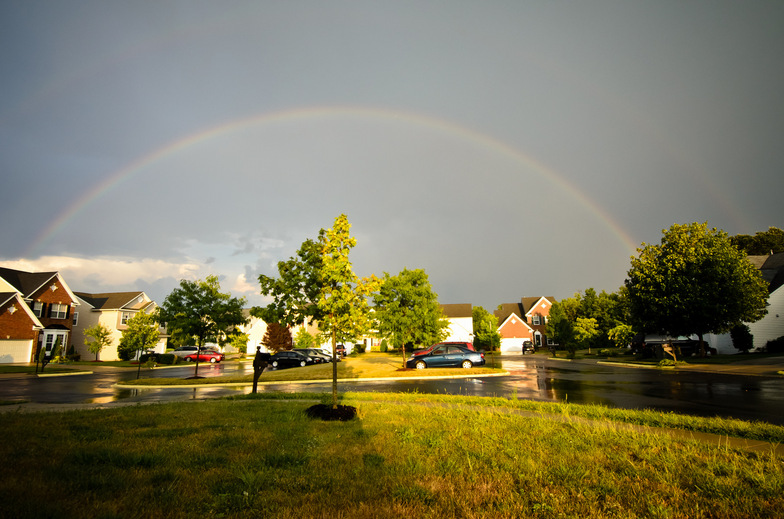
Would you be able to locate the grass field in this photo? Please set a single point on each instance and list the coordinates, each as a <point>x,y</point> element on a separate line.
<point>404,456</point>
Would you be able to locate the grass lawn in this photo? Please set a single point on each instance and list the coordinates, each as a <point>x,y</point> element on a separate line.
<point>368,365</point>
<point>404,456</point>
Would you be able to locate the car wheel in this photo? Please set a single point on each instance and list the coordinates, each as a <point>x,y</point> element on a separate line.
<point>302,363</point>
<point>188,359</point>
<point>274,363</point>
<point>421,364</point>
<point>467,364</point>
<point>214,360</point>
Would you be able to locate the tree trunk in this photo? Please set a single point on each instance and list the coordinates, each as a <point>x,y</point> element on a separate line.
<point>334,369</point>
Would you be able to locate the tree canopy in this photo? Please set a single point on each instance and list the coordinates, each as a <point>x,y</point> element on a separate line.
<point>763,242</point>
<point>101,338</point>
<point>140,334</point>
<point>694,282</point>
<point>407,310</point>
<point>277,337</point>
<point>486,334</point>
<point>296,291</point>
<point>200,310</point>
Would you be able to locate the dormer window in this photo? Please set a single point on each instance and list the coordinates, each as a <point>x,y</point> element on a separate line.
<point>125,317</point>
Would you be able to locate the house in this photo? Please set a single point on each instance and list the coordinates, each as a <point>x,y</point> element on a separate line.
<point>771,326</point>
<point>113,310</point>
<point>461,322</point>
<point>37,313</point>
<point>524,321</point>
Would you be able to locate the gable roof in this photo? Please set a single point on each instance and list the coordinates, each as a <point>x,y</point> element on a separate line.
<point>508,309</point>
<point>114,300</point>
<point>529,303</point>
<point>6,297</point>
<point>457,310</point>
<point>28,283</point>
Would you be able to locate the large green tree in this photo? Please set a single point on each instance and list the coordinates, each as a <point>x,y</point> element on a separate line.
<point>101,338</point>
<point>296,291</point>
<point>763,242</point>
<point>200,310</point>
<point>407,310</point>
<point>694,282</point>
<point>343,302</point>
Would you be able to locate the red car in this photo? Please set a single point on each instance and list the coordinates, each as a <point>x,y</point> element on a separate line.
<point>205,356</point>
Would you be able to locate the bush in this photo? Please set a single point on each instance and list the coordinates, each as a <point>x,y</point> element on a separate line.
<point>160,358</point>
<point>359,348</point>
<point>666,362</point>
<point>383,348</point>
<point>742,339</point>
<point>775,346</point>
<point>606,352</point>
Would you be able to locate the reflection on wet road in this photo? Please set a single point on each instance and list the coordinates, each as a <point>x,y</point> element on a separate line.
<point>534,378</point>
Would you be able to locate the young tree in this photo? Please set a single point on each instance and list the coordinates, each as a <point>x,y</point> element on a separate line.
<point>585,329</point>
<point>101,338</point>
<point>200,310</point>
<point>694,282</point>
<point>621,335</point>
<point>141,333</point>
<point>343,300</point>
<point>304,339</point>
<point>277,338</point>
<point>486,334</point>
<point>407,310</point>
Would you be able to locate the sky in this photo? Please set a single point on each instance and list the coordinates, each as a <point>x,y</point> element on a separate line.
<point>510,149</point>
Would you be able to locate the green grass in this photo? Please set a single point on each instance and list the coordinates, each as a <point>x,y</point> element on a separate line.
<point>406,457</point>
<point>369,365</point>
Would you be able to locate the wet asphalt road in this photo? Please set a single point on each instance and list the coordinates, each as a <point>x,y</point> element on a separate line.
<point>748,397</point>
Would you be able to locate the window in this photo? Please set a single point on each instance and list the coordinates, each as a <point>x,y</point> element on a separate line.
<point>38,308</point>
<point>58,311</point>
<point>537,319</point>
<point>76,318</point>
<point>125,316</point>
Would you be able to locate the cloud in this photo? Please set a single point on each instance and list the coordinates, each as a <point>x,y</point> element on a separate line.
<point>106,273</point>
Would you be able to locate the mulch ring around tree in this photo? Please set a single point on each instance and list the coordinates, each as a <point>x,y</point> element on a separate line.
<point>326,412</point>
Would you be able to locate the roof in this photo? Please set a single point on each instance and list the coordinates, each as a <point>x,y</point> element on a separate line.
<point>457,310</point>
<point>26,282</point>
<point>529,302</point>
<point>507,309</point>
<point>113,300</point>
<point>771,267</point>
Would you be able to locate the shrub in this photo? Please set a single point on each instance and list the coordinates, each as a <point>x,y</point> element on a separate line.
<point>666,362</point>
<point>383,348</point>
<point>359,348</point>
<point>742,339</point>
<point>775,346</point>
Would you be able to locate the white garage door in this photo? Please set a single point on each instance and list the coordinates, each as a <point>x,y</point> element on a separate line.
<point>514,345</point>
<point>12,352</point>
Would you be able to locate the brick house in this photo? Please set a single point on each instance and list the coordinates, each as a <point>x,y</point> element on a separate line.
<point>524,321</point>
<point>48,299</point>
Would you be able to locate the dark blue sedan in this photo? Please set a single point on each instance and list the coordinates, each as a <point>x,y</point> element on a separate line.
<point>446,356</point>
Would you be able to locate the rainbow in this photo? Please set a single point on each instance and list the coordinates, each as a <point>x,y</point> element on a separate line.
<point>490,143</point>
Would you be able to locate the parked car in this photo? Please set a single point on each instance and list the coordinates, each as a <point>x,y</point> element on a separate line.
<point>318,356</point>
<point>184,351</point>
<point>205,356</point>
<point>290,359</point>
<point>340,350</point>
<point>528,347</point>
<point>444,356</point>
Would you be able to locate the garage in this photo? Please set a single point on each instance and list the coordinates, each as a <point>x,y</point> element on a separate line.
<point>512,345</point>
<point>15,351</point>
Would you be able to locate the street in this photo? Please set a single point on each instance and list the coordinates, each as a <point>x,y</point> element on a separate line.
<point>534,377</point>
